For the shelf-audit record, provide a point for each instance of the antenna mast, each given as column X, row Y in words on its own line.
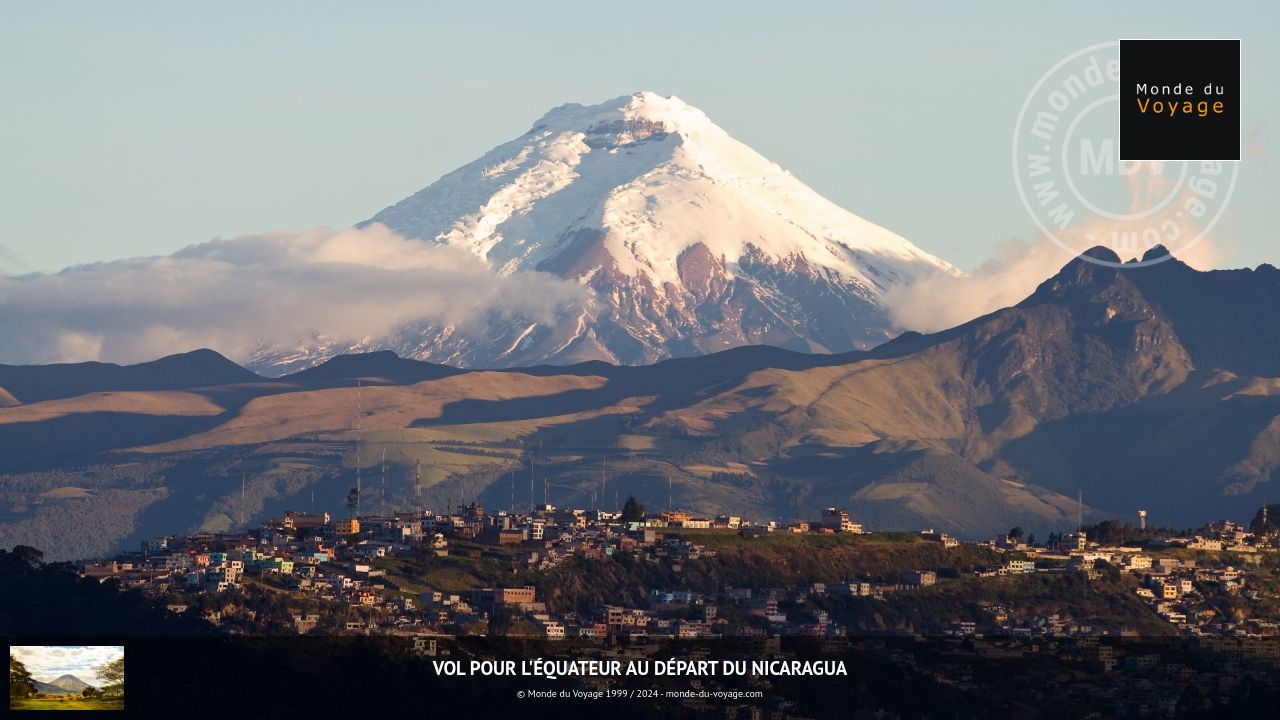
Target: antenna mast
column 1079, row 509
column 417, row 489
column 359, row 412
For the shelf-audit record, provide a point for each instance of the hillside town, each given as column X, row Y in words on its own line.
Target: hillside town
column 357, row 575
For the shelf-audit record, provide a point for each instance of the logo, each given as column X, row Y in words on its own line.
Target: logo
column 1080, row 194
column 1180, row 99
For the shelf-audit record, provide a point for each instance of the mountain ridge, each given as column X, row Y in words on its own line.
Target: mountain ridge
column 196, row 368
column 1105, row 382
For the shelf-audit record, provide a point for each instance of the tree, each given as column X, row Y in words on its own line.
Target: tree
column 27, row 555
column 1266, row 520
column 90, row 692
column 21, row 684
column 632, row 511
column 112, row 675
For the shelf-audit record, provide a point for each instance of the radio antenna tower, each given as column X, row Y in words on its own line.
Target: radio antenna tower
column 359, row 412
column 417, row 489
column 242, row 474
column 382, row 500
column 1079, row 510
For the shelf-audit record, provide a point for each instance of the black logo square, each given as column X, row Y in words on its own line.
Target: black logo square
column 1179, row 99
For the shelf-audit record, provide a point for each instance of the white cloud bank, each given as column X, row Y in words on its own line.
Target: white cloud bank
column 278, row 289
column 944, row 301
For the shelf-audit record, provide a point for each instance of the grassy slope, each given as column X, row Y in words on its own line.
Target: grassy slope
column 930, row 610
column 787, row 562
column 780, row 561
column 172, row 402
column 66, row 702
column 276, row 417
column 468, row 566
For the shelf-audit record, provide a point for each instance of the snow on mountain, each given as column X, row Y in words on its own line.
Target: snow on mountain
column 689, row 241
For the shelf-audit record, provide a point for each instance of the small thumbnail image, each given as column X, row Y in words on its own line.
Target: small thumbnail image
column 66, row 677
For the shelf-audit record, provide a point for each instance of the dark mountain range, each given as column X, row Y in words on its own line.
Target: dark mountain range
column 199, row 368
column 380, row 367
column 1155, row 388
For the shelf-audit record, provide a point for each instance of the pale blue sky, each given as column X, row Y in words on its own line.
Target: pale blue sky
column 135, row 128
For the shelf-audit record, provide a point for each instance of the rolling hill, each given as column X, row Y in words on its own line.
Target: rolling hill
column 199, row 368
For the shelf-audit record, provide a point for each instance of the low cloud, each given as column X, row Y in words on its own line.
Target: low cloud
column 944, row 301
column 276, row 290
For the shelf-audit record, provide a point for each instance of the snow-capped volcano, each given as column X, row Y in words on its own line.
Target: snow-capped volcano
column 687, row 240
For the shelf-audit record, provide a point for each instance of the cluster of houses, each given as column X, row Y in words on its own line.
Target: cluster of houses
column 1179, row 592
column 314, row 556
column 1176, row 588
column 341, row 562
